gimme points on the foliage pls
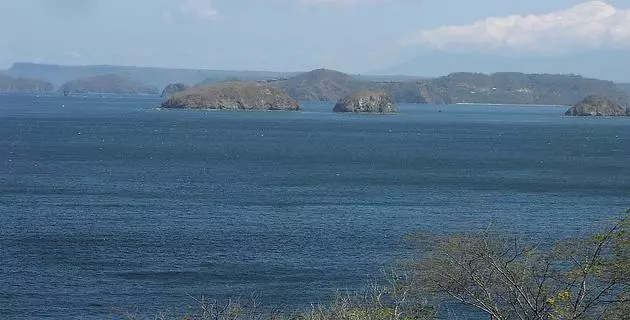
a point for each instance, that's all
(499, 275)
(508, 279)
(520, 88)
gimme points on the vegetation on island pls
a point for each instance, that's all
(595, 105)
(232, 96)
(109, 83)
(366, 101)
(319, 85)
(329, 85)
(499, 88)
(173, 89)
(520, 88)
(23, 85)
(497, 275)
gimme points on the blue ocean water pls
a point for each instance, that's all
(109, 204)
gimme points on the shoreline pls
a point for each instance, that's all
(512, 104)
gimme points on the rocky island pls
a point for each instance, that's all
(109, 83)
(233, 96)
(595, 105)
(366, 101)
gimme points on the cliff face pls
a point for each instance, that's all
(366, 102)
(596, 106)
(233, 96)
(107, 84)
(23, 85)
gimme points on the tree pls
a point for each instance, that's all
(510, 279)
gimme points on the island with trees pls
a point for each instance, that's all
(232, 96)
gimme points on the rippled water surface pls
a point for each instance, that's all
(108, 204)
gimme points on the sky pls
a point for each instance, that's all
(355, 36)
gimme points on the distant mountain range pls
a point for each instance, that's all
(158, 77)
(462, 87)
(109, 83)
(601, 64)
(330, 85)
(325, 85)
(10, 85)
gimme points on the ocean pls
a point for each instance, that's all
(111, 205)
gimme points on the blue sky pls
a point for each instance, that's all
(287, 35)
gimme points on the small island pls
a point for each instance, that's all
(109, 83)
(366, 101)
(595, 105)
(233, 96)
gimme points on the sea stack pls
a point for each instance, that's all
(366, 101)
(595, 105)
(233, 96)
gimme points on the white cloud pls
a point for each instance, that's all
(593, 24)
(186, 9)
(339, 2)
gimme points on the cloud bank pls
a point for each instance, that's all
(339, 2)
(186, 9)
(591, 25)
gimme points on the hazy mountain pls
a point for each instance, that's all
(461, 87)
(610, 65)
(521, 88)
(624, 87)
(108, 84)
(23, 85)
(319, 85)
(159, 77)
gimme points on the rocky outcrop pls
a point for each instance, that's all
(233, 96)
(596, 106)
(366, 102)
(173, 89)
(110, 83)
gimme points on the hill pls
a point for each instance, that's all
(600, 64)
(232, 96)
(23, 85)
(108, 84)
(521, 88)
(159, 77)
(462, 87)
(331, 85)
(319, 85)
(625, 87)
(412, 91)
